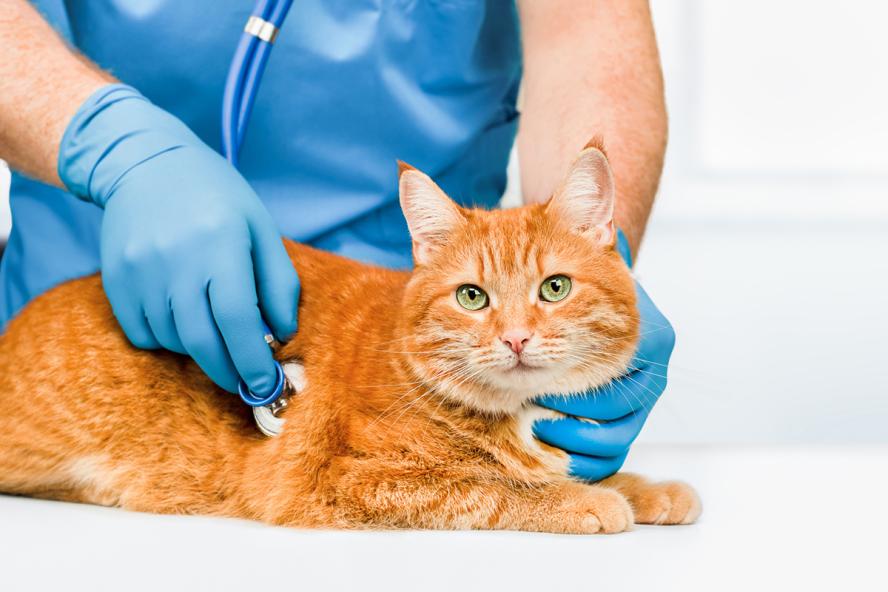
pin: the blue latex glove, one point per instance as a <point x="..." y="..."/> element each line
<point x="189" y="253"/>
<point x="621" y="406"/>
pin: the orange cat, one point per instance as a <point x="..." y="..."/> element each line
<point x="416" y="410"/>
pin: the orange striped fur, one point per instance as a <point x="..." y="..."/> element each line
<point x="414" y="414"/>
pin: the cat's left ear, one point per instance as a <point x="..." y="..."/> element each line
<point x="585" y="199"/>
<point x="431" y="215"/>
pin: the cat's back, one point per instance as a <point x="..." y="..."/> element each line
<point x="66" y="353"/>
<point x="70" y="315"/>
<point x="327" y="277"/>
<point x="343" y="304"/>
<point x="60" y="323"/>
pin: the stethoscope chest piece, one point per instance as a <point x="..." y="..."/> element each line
<point x="268" y="423"/>
<point x="267" y="416"/>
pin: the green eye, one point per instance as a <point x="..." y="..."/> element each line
<point x="555" y="288"/>
<point x="471" y="297"/>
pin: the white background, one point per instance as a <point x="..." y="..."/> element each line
<point x="5" y="221"/>
<point x="771" y="522"/>
<point x="768" y="244"/>
<point x="767" y="248"/>
<point x="769" y="241"/>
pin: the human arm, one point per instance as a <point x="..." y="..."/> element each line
<point x="191" y="260"/>
<point x="42" y="84"/>
<point x="592" y="68"/>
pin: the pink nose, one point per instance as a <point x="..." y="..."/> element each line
<point x="516" y="339"/>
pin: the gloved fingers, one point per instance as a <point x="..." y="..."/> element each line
<point x="159" y="314"/>
<point x="200" y="337"/>
<point x="594" y="468"/>
<point x="593" y="439"/>
<point x="131" y="317"/>
<point x="232" y="296"/>
<point x="637" y="390"/>
<point x="276" y="281"/>
<point x="657" y="337"/>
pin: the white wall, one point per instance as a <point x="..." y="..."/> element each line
<point x="5" y="219"/>
<point x="767" y="248"/>
<point x="768" y="244"/>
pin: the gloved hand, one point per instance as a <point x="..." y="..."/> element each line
<point x="189" y="253"/>
<point x="620" y="407"/>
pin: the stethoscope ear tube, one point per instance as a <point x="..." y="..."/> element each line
<point x="241" y="86"/>
<point x="246" y="70"/>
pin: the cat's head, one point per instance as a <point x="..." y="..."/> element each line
<point x="506" y="305"/>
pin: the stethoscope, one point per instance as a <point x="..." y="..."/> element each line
<point x="241" y="86"/>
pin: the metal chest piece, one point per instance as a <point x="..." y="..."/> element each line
<point x="266" y="416"/>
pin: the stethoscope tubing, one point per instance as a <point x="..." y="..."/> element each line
<point x="241" y="86"/>
<point x="276" y="15"/>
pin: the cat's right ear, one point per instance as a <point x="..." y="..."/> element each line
<point x="431" y="215"/>
<point x="585" y="199"/>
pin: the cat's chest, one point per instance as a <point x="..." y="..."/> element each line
<point x="527" y="457"/>
<point x="525" y="420"/>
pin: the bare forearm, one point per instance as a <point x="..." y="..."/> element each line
<point x="592" y="68"/>
<point x="42" y="83"/>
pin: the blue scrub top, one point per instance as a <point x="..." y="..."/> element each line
<point x="351" y="86"/>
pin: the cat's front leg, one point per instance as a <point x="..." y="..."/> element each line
<point x="402" y="496"/>
<point x="570" y="508"/>
<point x="667" y="502"/>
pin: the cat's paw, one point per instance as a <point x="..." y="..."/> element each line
<point x="587" y="509"/>
<point x="668" y="502"/>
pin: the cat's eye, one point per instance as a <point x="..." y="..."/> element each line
<point x="471" y="297"/>
<point x="555" y="288"/>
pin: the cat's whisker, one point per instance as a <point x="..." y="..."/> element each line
<point x="442" y="400"/>
<point x="646" y="388"/>
<point x="443" y="349"/>
<point x="630" y="368"/>
<point x="457" y="371"/>
<point x="385" y="412"/>
<point x="603" y="355"/>
<point x="640" y="403"/>
<point x="603" y="338"/>
<point x="415" y="401"/>
<point x="643" y="402"/>
<point x="435" y="376"/>
<point x="397" y="400"/>
<point x="652" y="362"/>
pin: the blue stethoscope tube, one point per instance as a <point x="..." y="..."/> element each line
<point x="241" y="86"/>
<point x="244" y="76"/>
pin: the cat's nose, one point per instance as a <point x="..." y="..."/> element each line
<point x="516" y="339"/>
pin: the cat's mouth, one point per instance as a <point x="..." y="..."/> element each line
<point x="522" y="366"/>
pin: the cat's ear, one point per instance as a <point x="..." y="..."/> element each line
<point x="585" y="199"/>
<point x="431" y="215"/>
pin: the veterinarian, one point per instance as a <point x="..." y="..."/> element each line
<point x="114" y="137"/>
